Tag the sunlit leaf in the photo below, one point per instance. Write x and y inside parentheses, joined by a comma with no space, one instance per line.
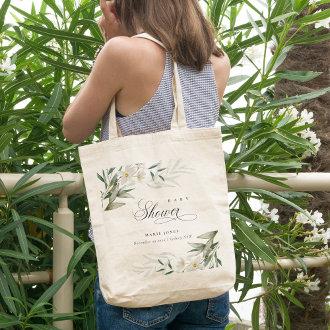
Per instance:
(253,242)
(8,321)
(256,314)
(47,187)
(22,181)
(283,17)
(65,66)
(62,35)
(82,286)
(4,140)
(14,254)
(51,225)
(297,99)
(234,96)
(3,11)
(23,242)
(298,75)
(52,4)
(52,105)
(316,17)
(49,293)
(78,254)
(6,294)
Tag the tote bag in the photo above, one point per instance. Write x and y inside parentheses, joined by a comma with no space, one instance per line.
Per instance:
(159,212)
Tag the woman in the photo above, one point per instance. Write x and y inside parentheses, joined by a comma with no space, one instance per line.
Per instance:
(138,72)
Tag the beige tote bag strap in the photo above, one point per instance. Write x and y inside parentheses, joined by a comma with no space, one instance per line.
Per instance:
(149,37)
(178,118)
(114,130)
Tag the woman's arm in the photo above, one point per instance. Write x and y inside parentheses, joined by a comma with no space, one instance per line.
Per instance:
(93,100)
(105,80)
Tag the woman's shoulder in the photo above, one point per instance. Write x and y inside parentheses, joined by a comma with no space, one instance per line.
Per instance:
(221,67)
(119,48)
(128,48)
(133,55)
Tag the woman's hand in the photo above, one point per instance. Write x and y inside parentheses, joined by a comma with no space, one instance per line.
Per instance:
(109,23)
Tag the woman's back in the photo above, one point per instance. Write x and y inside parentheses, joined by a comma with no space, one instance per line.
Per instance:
(200,98)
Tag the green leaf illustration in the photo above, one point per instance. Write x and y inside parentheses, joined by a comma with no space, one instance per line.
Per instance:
(114,206)
(100,177)
(197,246)
(209,235)
(125,195)
(153,166)
(170,272)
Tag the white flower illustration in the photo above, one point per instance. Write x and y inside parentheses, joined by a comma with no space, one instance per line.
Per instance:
(119,182)
(195,263)
(167,263)
(141,172)
(127,174)
(140,175)
(179,264)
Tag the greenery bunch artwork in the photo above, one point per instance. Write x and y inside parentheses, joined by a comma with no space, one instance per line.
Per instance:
(44,60)
(119,182)
(202,256)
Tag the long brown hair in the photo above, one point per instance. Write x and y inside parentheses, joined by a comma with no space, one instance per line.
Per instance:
(179,24)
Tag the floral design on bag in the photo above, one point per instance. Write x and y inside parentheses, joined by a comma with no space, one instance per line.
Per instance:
(120,181)
(202,256)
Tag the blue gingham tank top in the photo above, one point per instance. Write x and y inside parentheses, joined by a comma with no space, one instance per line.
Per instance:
(200,99)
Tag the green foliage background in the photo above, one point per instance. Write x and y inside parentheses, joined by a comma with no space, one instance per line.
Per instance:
(53,49)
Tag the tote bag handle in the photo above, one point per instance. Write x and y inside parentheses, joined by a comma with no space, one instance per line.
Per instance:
(178,118)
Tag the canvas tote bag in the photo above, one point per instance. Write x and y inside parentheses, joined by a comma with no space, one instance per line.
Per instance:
(159,212)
